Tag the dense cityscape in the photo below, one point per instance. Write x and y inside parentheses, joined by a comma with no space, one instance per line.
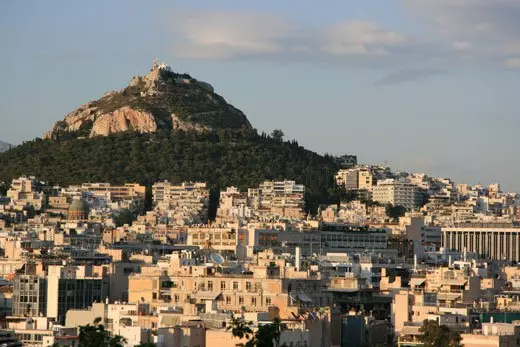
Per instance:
(293,174)
(402,249)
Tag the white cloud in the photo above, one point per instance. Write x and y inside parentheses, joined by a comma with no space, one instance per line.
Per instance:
(488,28)
(235,34)
(229,34)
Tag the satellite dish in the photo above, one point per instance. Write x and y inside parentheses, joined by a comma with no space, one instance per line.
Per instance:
(216,258)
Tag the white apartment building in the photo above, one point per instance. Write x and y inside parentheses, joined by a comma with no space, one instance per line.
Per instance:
(187,201)
(396,193)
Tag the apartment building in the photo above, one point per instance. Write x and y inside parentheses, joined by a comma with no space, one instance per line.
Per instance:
(128,191)
(197,287)
(24,192)
(285,198)
(29,296)
(185,203)
(63,287)
(395,192)
(271,200)
(355,178)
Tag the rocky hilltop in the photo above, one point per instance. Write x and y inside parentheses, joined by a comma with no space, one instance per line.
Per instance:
(163,99)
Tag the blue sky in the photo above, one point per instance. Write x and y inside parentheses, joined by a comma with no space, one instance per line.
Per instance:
(425,85)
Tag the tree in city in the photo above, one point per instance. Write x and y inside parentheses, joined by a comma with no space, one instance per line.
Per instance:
(277,135)
(125,216)
(435,335)
(395,211)
(267,335)
(241,329)
(95,335)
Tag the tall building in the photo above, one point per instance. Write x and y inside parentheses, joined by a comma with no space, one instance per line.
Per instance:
(65,287)
(397,193)
(355,179)
(29,296)
(282,198)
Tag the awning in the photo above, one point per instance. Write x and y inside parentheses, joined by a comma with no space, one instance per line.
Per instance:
(207,295)
(416,281)
(454,282)
(170,320)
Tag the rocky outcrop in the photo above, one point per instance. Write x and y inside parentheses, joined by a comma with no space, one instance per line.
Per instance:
(162,99)
(179,124)
(123,119)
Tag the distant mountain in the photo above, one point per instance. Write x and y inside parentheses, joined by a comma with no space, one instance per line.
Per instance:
(4,146)
(161,100)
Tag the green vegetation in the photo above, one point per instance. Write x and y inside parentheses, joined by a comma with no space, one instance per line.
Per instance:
(96,336)
(267,335)
(224,158)
(395,211)
(435,335)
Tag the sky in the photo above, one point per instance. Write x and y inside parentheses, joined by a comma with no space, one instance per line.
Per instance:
(421,85)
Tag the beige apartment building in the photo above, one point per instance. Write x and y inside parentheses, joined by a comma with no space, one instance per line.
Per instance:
(23,192)
(397,193)
(197,287)
(128,191)
(355,179)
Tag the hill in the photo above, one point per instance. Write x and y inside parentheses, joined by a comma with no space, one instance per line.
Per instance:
(228,157)
(170,126)
(161,100)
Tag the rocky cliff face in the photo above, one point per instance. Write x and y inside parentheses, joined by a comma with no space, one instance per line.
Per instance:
(162,99)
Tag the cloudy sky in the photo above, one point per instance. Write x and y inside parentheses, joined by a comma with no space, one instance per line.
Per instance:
(424,85)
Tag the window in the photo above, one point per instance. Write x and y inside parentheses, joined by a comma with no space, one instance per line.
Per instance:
(235,285)
(228,300)
(268,300)
(154,295)
(248,285)
(210,285)
(240,300)
(222,285)
(253,301)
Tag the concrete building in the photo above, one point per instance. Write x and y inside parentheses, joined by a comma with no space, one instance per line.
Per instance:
(185,203)
(29,296)
(489,241)
(396,193)
(355,179)
(24,192)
